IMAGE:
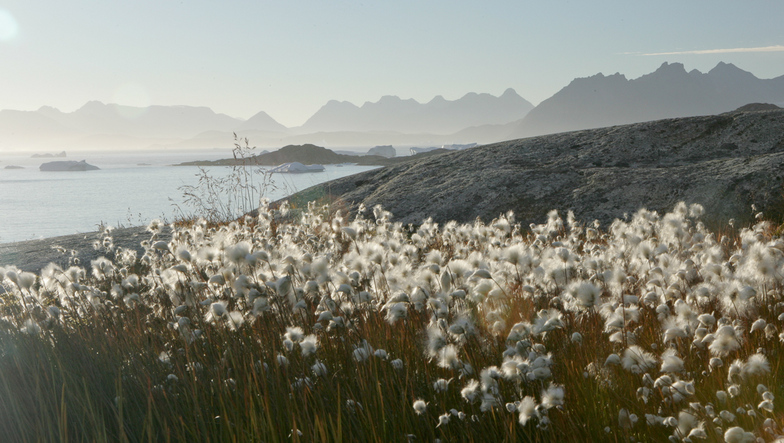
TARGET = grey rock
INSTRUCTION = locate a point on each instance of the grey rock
(725, 162)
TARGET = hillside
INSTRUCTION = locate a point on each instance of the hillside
(725, 162)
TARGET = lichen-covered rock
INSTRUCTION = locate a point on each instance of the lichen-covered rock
(725, 162)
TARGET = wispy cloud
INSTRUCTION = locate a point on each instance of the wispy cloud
(774, 48)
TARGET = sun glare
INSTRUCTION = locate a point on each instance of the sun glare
(9, 28)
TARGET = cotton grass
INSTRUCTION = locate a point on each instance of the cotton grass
(322, 327)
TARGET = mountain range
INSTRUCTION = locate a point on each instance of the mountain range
(668, 92)
(585, 103)
(438, 116)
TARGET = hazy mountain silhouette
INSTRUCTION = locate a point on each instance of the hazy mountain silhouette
(152, 121)
(261, 122)
(586, 103)
(668, 92)
(438, 116)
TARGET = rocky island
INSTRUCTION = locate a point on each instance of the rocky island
(70, 165)
(311, 154)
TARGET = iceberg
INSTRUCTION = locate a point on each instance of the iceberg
(296, 168)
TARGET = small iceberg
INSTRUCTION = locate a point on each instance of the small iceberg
(296, 168)
(68, 166)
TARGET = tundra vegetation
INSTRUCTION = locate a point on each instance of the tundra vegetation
(321, 327)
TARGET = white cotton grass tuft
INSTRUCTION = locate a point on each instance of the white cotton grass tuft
(757, 365)
(420, 407)
(637, 361)
(217, 310)
(470, 392)
(725, 342)
(526, 410)
(612, 360)
(396, 311)
(585, 294)
(553, 396)
(448, 357)
(739, 435)
(441, 385)
(294, 333)
(319, 369)
(671, 362)
(308, 345)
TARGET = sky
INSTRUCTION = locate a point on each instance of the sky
(288, 58)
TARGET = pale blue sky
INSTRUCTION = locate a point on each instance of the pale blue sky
(289, 57)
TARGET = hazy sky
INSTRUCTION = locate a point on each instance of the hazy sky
(289, 57)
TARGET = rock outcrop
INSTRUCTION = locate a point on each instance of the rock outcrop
(725, 162)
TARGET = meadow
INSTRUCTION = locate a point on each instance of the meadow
(309, 325)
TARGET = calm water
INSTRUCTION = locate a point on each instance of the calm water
(130, 189)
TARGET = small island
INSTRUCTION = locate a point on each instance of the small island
(68, 166)
(61, 154)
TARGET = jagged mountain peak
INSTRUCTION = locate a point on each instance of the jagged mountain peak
(671, 67)
(729, 70)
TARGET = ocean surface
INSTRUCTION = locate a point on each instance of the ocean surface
(130, 189)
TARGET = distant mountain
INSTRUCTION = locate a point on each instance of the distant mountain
(586, 103)
(669, 92)
(99, 125)
(152, 121)
(261, 122)
(438, 116)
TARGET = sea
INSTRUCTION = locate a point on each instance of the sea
(129, 189)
